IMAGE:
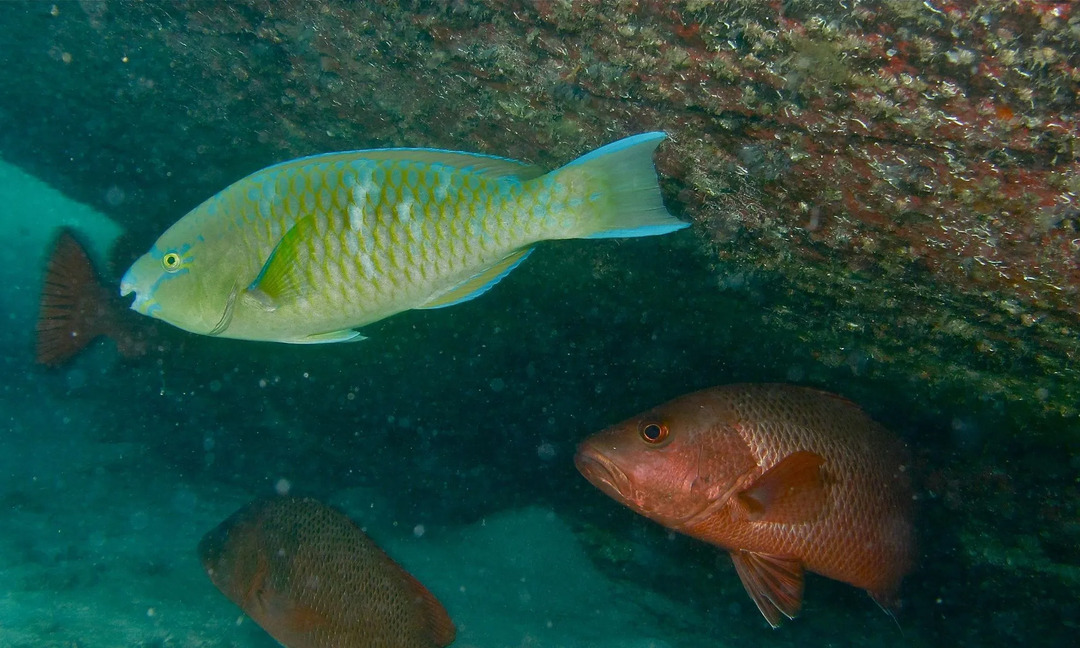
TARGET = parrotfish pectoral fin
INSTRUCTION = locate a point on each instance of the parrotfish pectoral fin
(280, 278)
(479, 283)
(345, 335)
(621, 192)
(790, 492)
(775, 583)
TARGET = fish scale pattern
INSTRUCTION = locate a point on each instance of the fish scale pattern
(862, 535)
(394, 228)
(786, 478)
(308, 251)
(320, 581)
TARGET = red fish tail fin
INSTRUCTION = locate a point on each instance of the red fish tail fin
(74, 304)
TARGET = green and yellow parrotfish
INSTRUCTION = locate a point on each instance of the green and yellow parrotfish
(307, 251)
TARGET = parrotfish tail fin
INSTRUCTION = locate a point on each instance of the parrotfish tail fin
(74, 304)
(616, 190)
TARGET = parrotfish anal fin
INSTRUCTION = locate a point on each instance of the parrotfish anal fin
(344, 335)
(775, 583)
(479, 283)
(791, 492)
(281, 277)
(476, 162)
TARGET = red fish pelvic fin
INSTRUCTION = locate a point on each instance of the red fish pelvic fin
(888, 600)
(74, 304)
(791, 492)
(775, 583)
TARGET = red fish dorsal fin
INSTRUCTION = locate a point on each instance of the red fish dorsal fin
(775, 583)
(790, 492)
(439, 623)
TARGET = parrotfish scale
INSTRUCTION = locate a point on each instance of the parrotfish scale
(352, 243)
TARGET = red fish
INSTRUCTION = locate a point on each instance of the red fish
(785, 478)
(312, 579)
(76, 308)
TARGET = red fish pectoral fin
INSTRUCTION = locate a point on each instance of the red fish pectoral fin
(775, 583)
(791, 492)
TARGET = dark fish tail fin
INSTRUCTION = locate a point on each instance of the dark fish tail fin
(616, 190)
(74, 305)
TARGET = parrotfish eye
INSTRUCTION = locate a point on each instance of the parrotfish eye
(653, 432)
(171, 262)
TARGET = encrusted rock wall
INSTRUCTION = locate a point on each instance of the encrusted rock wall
(910, 170)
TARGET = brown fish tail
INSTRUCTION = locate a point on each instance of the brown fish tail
(73, 303)
(443, 630)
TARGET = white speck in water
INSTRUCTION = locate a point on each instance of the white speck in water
(115, 196)
(282, 486)
(418, 530)
(545, 451)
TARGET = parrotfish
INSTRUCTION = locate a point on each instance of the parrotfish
(784, 478)
(77, 308)
(309, 250)
(312, 579)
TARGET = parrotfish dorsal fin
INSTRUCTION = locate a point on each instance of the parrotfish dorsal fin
(790, 492)
(775, 583)
(476, 162)
(479, 283)
(280, 278)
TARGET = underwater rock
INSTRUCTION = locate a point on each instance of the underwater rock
(910, 172)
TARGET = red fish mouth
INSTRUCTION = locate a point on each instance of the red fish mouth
(602, 472)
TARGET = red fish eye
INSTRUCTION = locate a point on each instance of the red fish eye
(653, 432)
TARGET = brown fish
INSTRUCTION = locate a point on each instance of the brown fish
(76, 308)
(312, 579)
(785, 478)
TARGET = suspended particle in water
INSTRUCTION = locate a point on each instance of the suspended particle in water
(545, 451)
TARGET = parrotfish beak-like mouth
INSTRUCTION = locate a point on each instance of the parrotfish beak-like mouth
(128, 285)
(602, 472)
